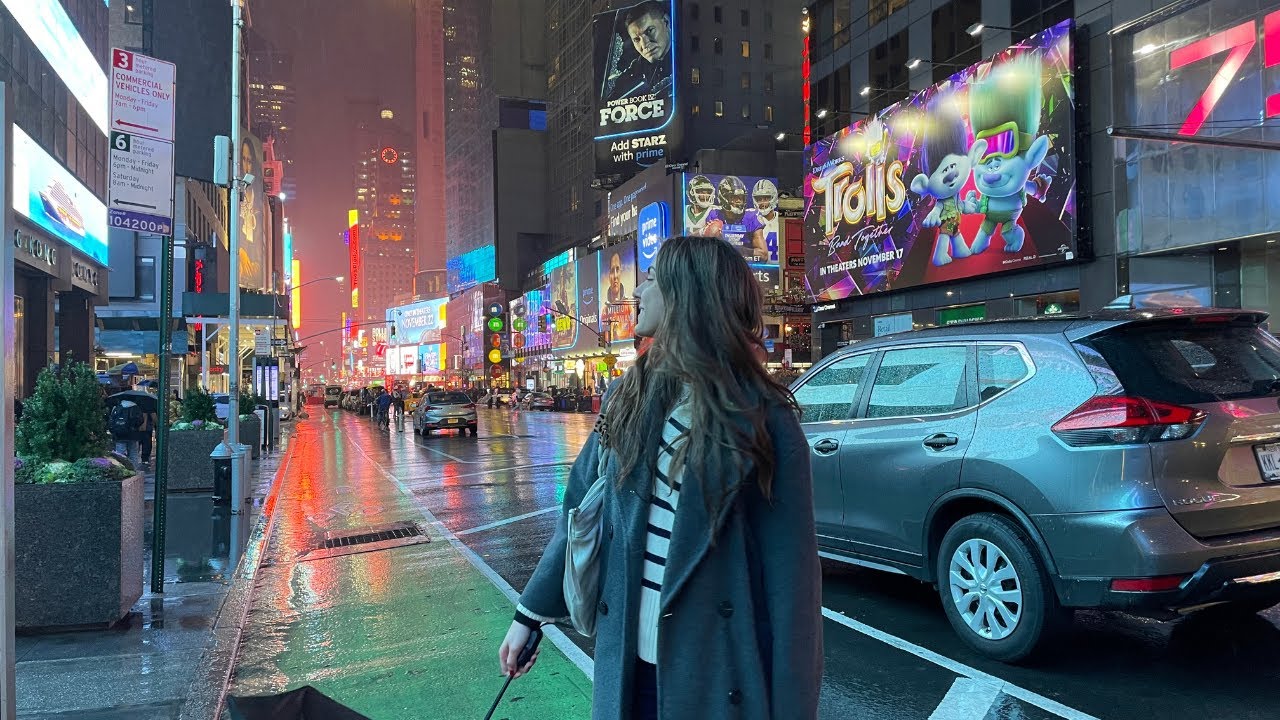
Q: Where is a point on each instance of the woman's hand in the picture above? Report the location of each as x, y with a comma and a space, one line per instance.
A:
509, 652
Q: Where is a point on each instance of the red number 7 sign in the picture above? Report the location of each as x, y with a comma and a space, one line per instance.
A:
1239, 40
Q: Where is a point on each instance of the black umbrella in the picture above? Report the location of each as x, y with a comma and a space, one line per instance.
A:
304, 703
144, 400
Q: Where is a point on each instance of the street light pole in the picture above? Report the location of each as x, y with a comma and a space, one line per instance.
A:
233, 391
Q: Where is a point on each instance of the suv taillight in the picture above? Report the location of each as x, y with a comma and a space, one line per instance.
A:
1126, 420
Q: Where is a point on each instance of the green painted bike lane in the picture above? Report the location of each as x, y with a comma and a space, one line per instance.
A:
406, 632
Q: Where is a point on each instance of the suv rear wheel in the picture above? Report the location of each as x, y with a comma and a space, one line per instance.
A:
995, 590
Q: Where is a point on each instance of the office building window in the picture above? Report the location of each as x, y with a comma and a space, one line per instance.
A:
746, 112
746, 18
768, 51
717, 46
718, 12
746, 49
768, 82
695, 76
1029, 16
768, 20
696, 109
746, 81
955, 48
719, 108
693, 43
694, 11
768, 113
133, 13
145, 279
888, 69
717, 77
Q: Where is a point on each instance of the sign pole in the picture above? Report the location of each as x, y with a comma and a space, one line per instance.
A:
233, 291
8, 611
159, 505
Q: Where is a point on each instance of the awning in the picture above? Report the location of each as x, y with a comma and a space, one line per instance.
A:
140, 342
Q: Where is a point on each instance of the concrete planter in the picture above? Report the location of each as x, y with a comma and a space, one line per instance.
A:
78, 552
251, 435
189, 465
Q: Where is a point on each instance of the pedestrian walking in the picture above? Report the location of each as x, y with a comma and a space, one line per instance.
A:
123, 423
710, 588
144, 437
397, 400
382, 407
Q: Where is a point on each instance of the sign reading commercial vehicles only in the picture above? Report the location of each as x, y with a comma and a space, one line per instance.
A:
142, 120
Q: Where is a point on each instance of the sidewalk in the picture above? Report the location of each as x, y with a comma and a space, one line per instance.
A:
404, 628
149, 664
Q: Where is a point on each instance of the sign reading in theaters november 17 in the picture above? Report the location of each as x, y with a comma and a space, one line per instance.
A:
973, 176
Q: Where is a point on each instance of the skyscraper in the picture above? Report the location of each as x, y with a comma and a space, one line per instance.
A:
272, 100
386, 198
429, 146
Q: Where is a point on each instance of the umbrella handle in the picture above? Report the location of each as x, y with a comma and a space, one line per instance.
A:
526, 654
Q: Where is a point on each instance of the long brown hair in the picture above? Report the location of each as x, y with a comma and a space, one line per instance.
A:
709, 340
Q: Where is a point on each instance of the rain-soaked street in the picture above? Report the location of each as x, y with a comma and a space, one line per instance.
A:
403, 627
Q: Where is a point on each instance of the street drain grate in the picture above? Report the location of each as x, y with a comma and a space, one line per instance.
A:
372, 535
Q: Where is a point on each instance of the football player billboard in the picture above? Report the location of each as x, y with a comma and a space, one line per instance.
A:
742, 210
637, 118
970, 177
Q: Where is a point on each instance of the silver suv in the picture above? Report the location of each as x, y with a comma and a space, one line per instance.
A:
1126, 460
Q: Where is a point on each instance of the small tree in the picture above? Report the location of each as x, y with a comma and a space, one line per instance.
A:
198, 405
66, 418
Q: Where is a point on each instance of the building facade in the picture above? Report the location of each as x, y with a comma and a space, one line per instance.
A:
386, 199
273, 103
429, 146
1119, 199
53, 64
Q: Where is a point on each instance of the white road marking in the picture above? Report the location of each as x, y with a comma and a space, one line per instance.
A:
490, 471
507, 521
967, 700
553, 633
959, 668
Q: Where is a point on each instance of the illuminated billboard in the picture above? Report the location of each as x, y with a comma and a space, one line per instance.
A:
417, 322
471, 269
54, 200
55, 36
743, 211
564, 302
617, 287
295, 295
637, 118
253, 224
353, 251
967, 178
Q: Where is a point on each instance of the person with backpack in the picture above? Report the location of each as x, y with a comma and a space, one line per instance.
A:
709, 595
144, 434
123, 423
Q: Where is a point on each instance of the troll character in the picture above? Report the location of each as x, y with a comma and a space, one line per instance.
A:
946, 168
1004, 109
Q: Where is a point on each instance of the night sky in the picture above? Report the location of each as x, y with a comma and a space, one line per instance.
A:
343, 50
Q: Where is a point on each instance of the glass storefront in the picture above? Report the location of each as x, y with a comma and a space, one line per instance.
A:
1232, 274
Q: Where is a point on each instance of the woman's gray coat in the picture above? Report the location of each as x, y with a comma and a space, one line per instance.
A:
741, 629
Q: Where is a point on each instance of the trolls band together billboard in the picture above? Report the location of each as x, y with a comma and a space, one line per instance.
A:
970, 177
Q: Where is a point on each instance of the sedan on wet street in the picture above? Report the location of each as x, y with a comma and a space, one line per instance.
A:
445, 411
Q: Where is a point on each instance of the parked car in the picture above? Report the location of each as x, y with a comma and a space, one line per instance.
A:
1124, 460
332, 396
221, 403
445, 410
539, 401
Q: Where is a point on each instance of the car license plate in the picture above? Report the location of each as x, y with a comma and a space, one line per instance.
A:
451, 421
1269, 461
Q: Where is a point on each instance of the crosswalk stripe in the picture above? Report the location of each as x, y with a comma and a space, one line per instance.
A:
967, 700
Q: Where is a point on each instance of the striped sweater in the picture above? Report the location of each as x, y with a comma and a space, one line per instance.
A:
662, 516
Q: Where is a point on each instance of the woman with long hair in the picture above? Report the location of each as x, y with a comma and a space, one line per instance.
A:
710, 600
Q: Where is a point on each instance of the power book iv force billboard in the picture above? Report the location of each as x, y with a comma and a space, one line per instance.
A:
637, 118
970, 177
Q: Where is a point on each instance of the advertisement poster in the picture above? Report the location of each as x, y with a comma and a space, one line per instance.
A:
637, 120
253, 229
564, 299
970, 177
417, 322
430, 359
52, 199
617, 284
742, 210
588, 303
471, 269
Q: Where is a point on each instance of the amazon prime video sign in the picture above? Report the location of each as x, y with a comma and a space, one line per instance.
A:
638, 121
970, 177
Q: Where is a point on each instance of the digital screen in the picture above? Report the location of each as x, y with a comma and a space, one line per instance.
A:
50, 197
617, 288
637, 120
654, 228
53, 33
971, 177
417, 322
431, 358
564, 303
471, 269
742, 211
588, 271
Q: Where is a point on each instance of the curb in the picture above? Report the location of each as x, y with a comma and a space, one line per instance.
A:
207, 694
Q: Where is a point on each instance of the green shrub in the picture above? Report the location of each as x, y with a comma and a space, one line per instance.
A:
198, 405
65, 419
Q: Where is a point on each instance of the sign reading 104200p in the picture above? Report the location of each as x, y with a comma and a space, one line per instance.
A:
637, 120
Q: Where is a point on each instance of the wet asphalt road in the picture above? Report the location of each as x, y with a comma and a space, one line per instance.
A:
890, 652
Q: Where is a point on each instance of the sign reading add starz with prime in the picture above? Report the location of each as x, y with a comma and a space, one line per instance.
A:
638, 121
142, 112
